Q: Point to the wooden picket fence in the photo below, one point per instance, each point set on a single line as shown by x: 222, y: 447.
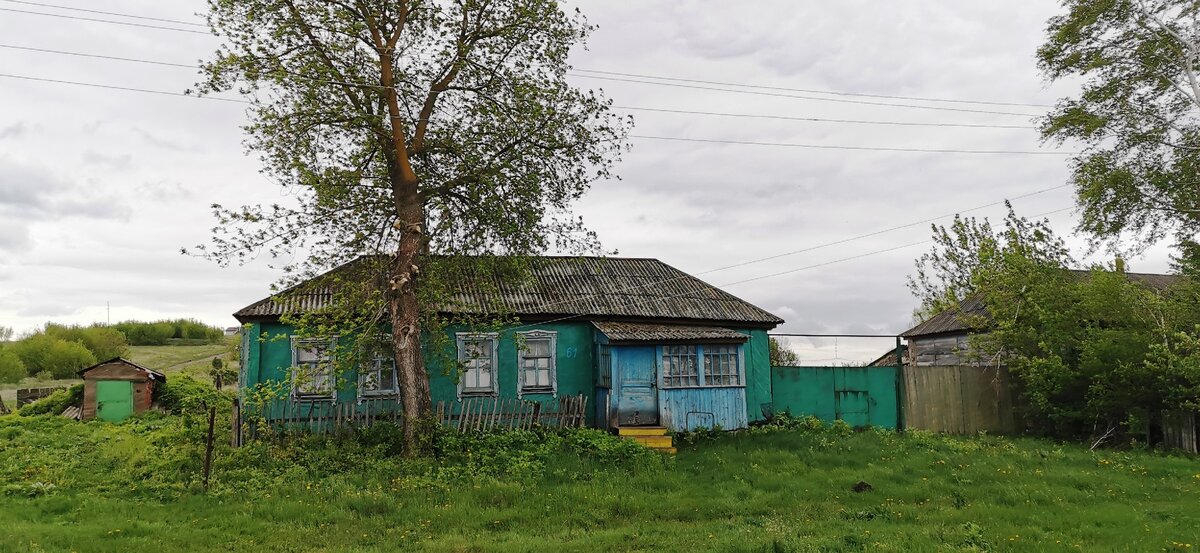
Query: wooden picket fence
x: 483, y: 414
x: 477, y: 414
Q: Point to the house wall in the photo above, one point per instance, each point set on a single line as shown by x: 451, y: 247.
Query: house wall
x: 268, y: 357
x: 941, y: 350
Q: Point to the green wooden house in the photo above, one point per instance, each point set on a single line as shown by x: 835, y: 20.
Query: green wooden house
x: 647, y: 344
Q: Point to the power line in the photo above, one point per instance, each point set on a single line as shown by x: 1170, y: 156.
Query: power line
x: 179, y: 21
x: 865, y: 148
x: 124, y: 88
x: 799, y: 97
x: 823, y: 120
x: 98, y: 56
x: 772, y: 275
x: 629, y: 108
x: 814, y: 91
x: 93, y: 19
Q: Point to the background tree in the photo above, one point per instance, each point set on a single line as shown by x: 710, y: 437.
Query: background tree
x: 405, y: 130
x: 781, y: 355
x: 1137, y: 116
x: 1094, y: 353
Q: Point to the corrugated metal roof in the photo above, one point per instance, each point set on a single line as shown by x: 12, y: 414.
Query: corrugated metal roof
x: 650, y: 332
x: 972, y: 311
x: 583, y: 287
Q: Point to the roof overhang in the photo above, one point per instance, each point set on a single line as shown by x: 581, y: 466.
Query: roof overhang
x: 619, y: 332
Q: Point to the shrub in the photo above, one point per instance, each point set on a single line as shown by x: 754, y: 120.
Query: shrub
x: 33, y: 350
x: 103, y: 341
x: 64, y: 359
x: 146, y: 334
x: 54, y: 404
x: 12, y: 369
x: 184, y: 393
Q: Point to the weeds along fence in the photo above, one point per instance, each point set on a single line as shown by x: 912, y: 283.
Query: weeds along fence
x: 484, y: 414
x: 282, y: 418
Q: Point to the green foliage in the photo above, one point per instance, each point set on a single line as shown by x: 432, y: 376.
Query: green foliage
x: 160, y: 333
x: 12, y: 369
x: 780, y: 355
x: 103, y: 341
x: 776, y: 489
x: 64, y: 359
x: 184, y: 394
x: 54, y: 403
x: 1135, y: 115
x: 1079, y: 343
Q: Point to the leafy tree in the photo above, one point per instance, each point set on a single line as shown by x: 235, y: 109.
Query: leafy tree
x: 408, y: 130
x: 6, y: 333
x: 1137, y: 115
x: 104, y: 342
x: 780, y: 355
x: 64, y: 359
x: 1081, y: 344
x: 969, y: 250
x: 12, y: 370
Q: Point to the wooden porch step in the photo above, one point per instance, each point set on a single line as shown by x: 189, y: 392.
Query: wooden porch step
x: 653, y: 441
x: 642, y: 431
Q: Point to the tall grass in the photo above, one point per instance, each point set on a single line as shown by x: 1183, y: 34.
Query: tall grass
x: 100, y: 487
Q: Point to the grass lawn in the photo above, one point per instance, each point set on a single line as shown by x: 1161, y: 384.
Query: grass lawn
x: 193, y: 360
x: 96, y: 487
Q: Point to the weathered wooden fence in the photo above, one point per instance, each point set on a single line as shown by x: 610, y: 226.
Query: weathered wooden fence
x: 3, y: 408
x: 479, y: 414
x: 1180, y: 431
x: 959, y: 399
x: 29, y: 395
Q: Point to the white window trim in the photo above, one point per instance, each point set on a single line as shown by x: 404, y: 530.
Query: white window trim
x: 374, y: 394
x: 538, y: 335
x: 462, y: 337
x: 295, y: 393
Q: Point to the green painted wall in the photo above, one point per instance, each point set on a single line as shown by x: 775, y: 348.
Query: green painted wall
x: 270, y: 356
x: 831, y: 393
x: 758, y: 374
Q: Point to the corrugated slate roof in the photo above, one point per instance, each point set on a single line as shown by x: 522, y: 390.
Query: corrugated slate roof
x: 582, y: 287
x: 972, y: 309
x: 650, y: 332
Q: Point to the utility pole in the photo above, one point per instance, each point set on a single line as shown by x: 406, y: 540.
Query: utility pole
x: 107, y: 313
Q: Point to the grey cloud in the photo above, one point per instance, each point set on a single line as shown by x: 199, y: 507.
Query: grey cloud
x: 164, y: 191
x: 13, y: 131
x: 120, y: 161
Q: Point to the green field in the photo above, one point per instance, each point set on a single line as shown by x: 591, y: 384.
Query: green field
x: 193, y: 360
x: 132, y: 487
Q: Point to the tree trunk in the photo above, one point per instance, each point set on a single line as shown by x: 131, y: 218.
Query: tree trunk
x: 406, y: 329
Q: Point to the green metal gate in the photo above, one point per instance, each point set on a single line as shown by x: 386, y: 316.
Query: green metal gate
x: 861, y: 396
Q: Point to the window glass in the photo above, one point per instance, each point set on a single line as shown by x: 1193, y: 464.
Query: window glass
x: 721, y: 365
x: 312, y: 369
x: 536, y: 362
x: 679, y: 367
x: 378, y: 377
x: 477, y: 356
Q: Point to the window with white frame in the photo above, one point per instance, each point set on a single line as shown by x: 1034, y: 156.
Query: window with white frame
x: 312, y: 368
x: 604, y: 366
x: 377, y: 373
x: 536, y: 352
x: 721, y: 365
x: 477, y: 357
x: 680, y: 369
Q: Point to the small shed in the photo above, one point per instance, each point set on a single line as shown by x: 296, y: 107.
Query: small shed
x: 115, y: 389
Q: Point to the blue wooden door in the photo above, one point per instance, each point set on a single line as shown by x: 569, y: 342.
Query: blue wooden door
x: 637, y: 401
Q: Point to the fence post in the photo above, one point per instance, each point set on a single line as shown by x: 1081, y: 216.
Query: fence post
x: 236, y: 435
x: 901, y: 394
x: 208, y: 446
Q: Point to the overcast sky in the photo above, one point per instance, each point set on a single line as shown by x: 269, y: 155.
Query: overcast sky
x: 99, y: 189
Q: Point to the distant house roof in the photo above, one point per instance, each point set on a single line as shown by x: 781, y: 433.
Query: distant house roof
x: 971, y: 310
x: 588, y: 288
x: 651, y: 332
x: 888, y: 359
x: 151, y: 373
